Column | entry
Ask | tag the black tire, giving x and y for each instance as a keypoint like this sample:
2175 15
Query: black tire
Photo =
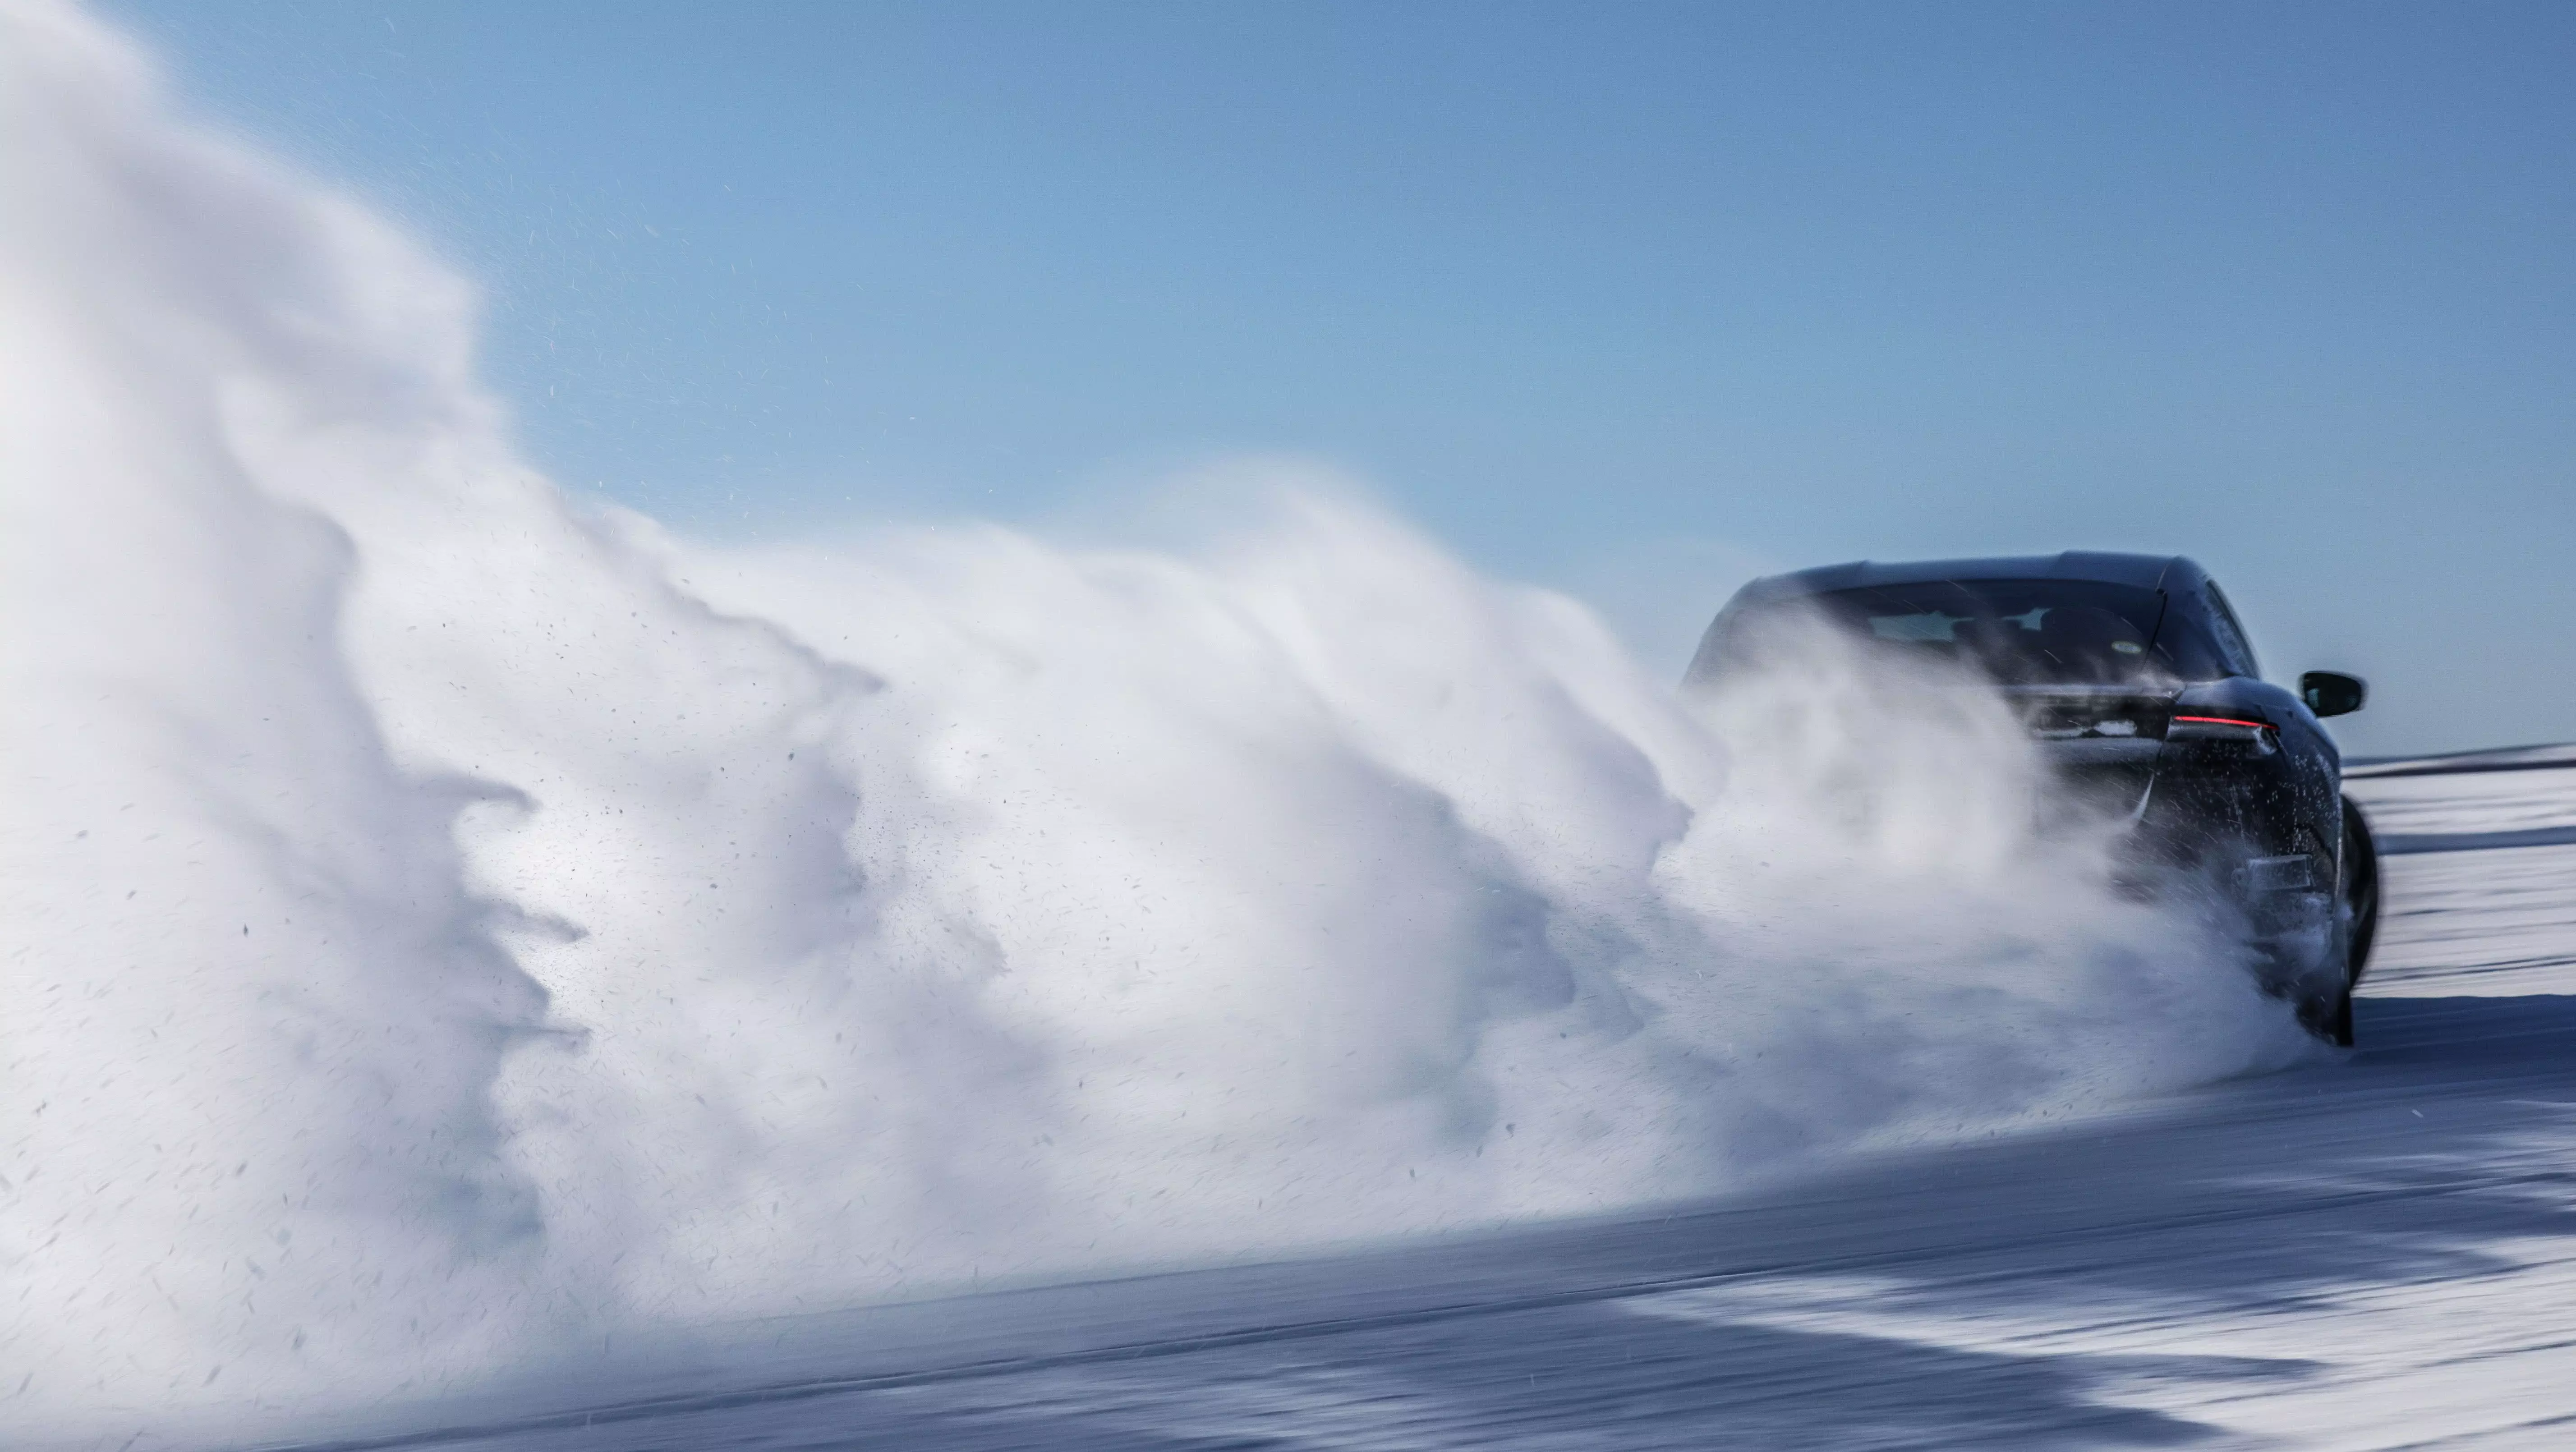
2357 915
2360 890
2333 1021
2328 1016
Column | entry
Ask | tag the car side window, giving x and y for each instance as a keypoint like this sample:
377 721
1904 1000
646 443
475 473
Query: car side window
2231 635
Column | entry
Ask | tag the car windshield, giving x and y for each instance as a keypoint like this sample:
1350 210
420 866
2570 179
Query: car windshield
2016 631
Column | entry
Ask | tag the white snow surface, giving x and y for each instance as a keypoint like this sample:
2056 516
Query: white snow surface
481 972
2377 1252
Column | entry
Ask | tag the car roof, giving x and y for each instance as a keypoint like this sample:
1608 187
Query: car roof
2150 572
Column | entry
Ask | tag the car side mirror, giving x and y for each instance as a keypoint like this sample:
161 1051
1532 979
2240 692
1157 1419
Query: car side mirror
2332 693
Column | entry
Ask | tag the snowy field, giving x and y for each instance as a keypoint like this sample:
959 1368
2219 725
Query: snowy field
486 972
2373 1253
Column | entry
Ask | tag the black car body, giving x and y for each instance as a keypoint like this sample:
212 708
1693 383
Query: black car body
2141 688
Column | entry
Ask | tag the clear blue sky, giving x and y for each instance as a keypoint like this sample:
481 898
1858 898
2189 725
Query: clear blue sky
1624 297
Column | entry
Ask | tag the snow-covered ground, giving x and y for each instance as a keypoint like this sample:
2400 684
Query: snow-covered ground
456 927
2370 1253
2525 797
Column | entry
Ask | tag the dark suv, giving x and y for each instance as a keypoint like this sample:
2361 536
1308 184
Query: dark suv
2137 680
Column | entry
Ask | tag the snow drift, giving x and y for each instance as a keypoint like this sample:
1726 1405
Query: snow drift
448 923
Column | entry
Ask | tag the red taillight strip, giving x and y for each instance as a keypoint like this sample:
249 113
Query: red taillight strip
2229 721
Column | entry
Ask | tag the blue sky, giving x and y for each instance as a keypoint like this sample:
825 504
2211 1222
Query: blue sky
1630 299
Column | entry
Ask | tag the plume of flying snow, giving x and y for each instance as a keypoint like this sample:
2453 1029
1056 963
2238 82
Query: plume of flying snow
447 923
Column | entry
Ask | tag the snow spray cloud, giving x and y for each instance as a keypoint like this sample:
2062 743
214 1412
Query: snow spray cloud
443 922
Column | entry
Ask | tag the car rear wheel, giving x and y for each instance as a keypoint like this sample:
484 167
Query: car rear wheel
2360 895
2356 924
2331 1020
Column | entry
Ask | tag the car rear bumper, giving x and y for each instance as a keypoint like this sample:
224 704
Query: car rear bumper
2209 830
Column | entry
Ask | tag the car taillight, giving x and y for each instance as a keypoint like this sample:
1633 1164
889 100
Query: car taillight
2218 728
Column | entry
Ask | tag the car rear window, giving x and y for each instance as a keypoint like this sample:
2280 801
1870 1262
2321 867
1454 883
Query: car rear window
2016 631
